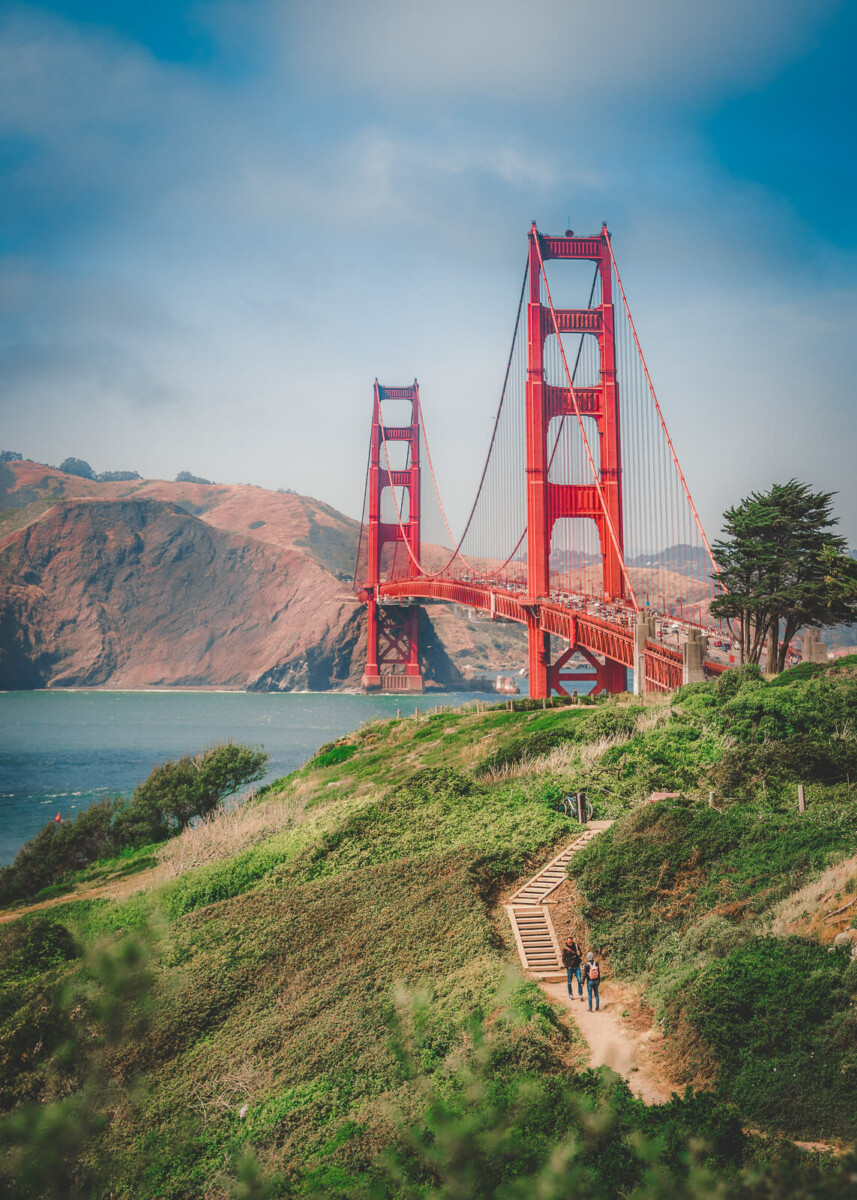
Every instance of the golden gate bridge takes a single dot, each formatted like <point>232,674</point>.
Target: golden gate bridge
<point>583,528</point>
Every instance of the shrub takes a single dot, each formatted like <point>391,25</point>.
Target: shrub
<point>773,765</point>
<point>31,946</point>
<point>768,1010</point>
<point>672,757</point>
<point>77,466</point>
<point>162,805</point>
<point>187,477</point>
<point>333,756</point>
<point>663,866</point>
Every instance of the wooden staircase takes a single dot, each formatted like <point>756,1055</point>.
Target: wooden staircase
<point>530,917</point>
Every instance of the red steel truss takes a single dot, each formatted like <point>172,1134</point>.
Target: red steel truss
<point>392,579</point>
<point>589,635</point>
<point>549,502</point>
<point>392,649</point>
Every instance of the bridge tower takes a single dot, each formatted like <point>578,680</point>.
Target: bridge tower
<point>548,502</point>
<point>392,651</point>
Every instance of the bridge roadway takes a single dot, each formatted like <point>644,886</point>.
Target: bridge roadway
<point>582,630</point>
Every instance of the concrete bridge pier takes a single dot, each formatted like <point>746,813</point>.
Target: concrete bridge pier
<point>644,631</point>
<point>693,657</point>
<point>812,648</point>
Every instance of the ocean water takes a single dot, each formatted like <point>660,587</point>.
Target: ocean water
<point>62,750</point>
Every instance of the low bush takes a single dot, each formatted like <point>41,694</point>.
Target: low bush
<point>162,805</point>
<point>774,767</point>
<point>672,757</point>
<point>334,756</point>
<point>667,864</point>
<point>778,1014</point>
<point>30,946</point>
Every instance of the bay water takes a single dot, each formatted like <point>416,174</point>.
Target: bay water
<point>61,750</point>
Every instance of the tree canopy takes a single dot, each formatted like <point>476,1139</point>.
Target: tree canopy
<point>77,466</point>
<point>161,806</point>
<point>783,569</point>
<point>189,477</point>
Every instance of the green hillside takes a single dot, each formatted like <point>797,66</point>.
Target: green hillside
<point>325,1001</point>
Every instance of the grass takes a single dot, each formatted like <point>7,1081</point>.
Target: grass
<point>285,934</point>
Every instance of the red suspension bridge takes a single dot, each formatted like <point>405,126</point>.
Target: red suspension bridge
<point>583,529</point>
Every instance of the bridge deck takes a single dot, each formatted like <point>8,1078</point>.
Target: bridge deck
<point>613,640</point>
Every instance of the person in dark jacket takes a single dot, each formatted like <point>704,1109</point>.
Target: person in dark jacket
<point>592,975</point>
<point>571,958</point>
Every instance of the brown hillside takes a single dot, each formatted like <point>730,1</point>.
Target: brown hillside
<point>282,519</point>
<point>138,593</point>
<point>148,583</point>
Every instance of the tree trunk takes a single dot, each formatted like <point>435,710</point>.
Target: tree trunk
<point>759,629</point>
<point>773,646</point>
<point>791,628</point>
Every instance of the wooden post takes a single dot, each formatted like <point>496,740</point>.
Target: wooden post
<point>711,799</point>
<point>801,798</point>
<point>416,714</point>
<point>581,807</point>
<point>398,714</point>
<point>544,702</point>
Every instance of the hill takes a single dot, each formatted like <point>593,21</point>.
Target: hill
<point>144,583</point>
<point>330,976</point>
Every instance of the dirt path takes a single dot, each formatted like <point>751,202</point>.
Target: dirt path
<point>625,1043</point>
<point>110,889</point>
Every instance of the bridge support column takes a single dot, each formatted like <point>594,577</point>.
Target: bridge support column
<point>392,631</point>
<point>644,631</point>
<point>371,680</point>
<point>693,657</point>
<point>599,499</point>
<point>539,657</point>
<point>393,660</point>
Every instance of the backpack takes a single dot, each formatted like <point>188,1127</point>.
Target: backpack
<point>594,970</point>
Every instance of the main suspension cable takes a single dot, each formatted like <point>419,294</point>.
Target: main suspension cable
<point>457,549</point>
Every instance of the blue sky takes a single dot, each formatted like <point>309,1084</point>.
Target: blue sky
<point>220,221</point>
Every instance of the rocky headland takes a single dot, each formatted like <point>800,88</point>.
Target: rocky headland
<point>145,583</point>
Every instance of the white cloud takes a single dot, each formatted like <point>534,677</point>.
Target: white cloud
<point>544,50</point>
<point>242,259</point>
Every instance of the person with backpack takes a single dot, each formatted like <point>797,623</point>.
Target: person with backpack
<point>592,975</point>
<point>571,959</point>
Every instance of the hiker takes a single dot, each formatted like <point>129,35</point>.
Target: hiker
<point>592,975</point>
<point>571,958</point>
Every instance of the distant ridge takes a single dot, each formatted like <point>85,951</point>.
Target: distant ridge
<point>149,583</point>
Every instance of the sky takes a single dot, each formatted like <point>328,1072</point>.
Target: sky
<point>220,221</point>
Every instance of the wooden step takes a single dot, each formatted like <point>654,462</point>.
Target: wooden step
<point>535,938</point>
<point>553,873</point>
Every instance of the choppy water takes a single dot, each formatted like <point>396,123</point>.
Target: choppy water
<point>62,750</point>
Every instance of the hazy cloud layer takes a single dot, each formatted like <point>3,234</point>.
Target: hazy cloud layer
<point>545,50</point>
<point>206,263</point>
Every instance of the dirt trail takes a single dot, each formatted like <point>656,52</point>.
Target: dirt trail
<point>110,889</point>
<point>627,1044</point>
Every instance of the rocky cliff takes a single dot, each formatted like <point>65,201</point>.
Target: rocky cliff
<point>152,584</point>
<point>139,593</point>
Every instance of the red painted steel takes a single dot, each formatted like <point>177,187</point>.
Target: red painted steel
<point>549,502</point>
<point>392,650</point>
<point>607,645</point>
